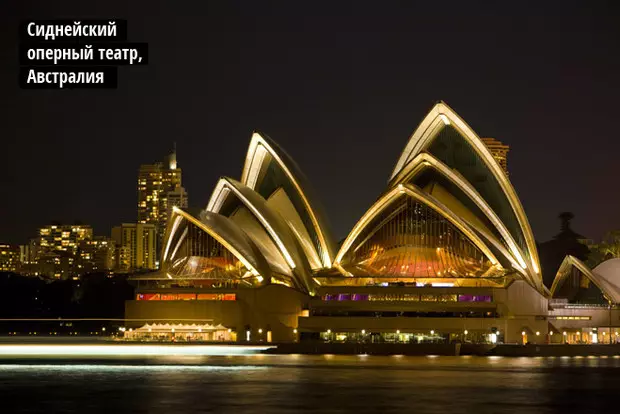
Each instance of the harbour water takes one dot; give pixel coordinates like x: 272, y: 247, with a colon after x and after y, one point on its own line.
x: 314, y: 384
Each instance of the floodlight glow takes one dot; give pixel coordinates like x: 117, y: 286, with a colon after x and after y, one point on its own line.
x: 128, y: 350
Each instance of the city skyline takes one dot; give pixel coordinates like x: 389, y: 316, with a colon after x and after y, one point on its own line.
x: 546, y: 90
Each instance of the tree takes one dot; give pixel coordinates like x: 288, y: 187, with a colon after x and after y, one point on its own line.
x: 608, y: 248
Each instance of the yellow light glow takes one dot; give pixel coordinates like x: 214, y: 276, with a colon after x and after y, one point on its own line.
x: 115, y: 350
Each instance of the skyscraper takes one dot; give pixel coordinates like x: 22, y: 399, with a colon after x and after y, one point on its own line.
x: 159, y: 189
x: 499, y: 151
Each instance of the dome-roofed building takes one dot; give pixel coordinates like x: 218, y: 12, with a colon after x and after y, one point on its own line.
x: 445, y: 251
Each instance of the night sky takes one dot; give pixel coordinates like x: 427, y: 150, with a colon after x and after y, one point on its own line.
x: 340, y: 85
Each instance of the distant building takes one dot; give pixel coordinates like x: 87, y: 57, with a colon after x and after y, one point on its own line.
x: 9, y: 258
x: 135, y: 246
x: 159, y: 188
x: 24, y: 254
x: 499, y: 151
x: 65, y: 238
x: 55, y: 253
x: 175, y: 198
x: 97, y: 255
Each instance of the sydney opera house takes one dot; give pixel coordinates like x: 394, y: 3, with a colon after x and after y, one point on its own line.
x: 445, y: 253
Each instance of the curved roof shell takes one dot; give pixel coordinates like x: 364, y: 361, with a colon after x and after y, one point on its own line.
x: 447, y: 137
x: 227, y: 190
x: 222, y: 236
x: 606, y: 276
x: 271, y: 172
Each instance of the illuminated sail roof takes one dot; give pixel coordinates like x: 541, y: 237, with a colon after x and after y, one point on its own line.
x: 573, y: 273
x: 264, y: 226
x: 408, y: 233
x: 212, y: 248
x: 448, y: 213
x: 272, y: 173
x: 448, y: 139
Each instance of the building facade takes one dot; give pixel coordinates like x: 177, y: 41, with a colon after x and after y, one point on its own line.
x: 9, y: 258
x: 445, y: 253
x: 56, y: 252
x: 63, y: 238
x: 97, y: 255
x: 135, y: 246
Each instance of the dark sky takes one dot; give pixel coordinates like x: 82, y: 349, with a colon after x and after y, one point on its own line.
x: 340, y: 85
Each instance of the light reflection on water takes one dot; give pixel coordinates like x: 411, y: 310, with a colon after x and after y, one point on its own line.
x: 317, y: 384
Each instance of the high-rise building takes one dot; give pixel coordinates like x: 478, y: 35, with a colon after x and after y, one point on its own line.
x: 159, y: 189
x: 175, y: 198
x: 499, y: 151
x: 9, y: 258
x: 135, y: 246
x: 24, y: 254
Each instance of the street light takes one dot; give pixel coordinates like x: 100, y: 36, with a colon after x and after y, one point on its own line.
x: 465, y: 332
x: 363, y: 331
x: 432, y: 332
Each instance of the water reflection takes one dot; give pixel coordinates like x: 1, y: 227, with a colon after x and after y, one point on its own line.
x: 318, y: 383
